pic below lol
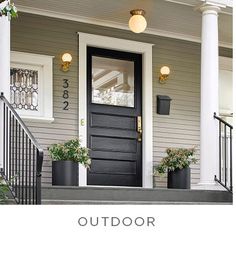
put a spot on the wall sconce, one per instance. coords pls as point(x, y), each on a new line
point(165, 71)
point(66, 61)
point(137, 22)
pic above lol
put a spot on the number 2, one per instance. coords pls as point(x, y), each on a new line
point(66, 105)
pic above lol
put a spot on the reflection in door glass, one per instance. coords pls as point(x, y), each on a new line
point(112, 82)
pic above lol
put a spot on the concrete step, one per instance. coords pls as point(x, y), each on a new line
point(96, 202)
point(120, 195)
point(9, 202)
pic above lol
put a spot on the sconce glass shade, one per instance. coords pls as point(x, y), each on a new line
point(66, 57)
point(137, 22)
point(164, 74)
point(66, 61)
point(165, 70)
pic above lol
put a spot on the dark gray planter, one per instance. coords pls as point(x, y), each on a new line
point(179, 179)
point(64, 173)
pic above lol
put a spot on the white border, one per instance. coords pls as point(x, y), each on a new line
point(124, 45)
point(44, 63)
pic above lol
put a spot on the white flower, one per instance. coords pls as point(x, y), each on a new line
point(3, 5)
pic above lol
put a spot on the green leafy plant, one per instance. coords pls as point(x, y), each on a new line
point(8, 9)
point(3, 191)
point(70, 151)
point(176, 159)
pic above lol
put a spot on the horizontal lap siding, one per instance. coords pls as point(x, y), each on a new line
point(49, 36)
point(182, 127)
point(41, 35)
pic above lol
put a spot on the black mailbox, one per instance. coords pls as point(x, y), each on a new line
point(163, 105)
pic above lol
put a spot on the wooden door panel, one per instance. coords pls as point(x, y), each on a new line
point(113, 155)
point(111, 180)
point(110, 132)
point(113, 166)
point(113, 121)
point(113, 144)
point(112, 110)
point(114, 103)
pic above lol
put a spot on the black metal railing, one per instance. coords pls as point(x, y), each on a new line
point(225, 177)
point(22, 157)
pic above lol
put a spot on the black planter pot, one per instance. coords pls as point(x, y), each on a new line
point(64, 173)
point(179, 179)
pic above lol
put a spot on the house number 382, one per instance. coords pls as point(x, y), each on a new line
point(65, 94)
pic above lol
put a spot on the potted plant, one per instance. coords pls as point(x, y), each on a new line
point(8, 9)
point(66, 157)
point(176, 165)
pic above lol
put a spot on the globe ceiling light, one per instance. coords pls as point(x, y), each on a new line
point(137, 22)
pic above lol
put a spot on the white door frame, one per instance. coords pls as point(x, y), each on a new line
point(122, 45)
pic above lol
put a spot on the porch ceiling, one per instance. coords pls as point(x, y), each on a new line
point(165, 17)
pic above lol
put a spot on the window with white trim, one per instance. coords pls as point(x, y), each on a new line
point(226, 88)
point(31, 91)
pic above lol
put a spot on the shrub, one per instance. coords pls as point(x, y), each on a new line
point(3, 191)
point(176, 159)
point(70, 151)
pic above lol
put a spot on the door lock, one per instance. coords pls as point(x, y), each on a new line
point(139, 128)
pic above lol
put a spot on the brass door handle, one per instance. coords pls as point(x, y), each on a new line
point(139, 128)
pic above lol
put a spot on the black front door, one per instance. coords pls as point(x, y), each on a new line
point(114, 106)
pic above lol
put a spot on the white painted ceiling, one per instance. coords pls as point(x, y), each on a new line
point(164, 17)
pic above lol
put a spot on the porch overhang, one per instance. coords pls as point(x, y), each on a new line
point(166, 21)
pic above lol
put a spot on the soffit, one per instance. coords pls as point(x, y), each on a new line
point(164, 17)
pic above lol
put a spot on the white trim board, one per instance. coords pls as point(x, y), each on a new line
point(100, 22)
point(123, 45)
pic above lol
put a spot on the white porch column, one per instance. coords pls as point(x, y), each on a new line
point(209, 161)
point(4, 69)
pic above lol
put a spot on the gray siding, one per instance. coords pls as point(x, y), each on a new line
point(181, 127)
point(44, 35)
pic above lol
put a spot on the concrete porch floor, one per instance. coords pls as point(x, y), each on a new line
point(59, 195)
point(215, 186)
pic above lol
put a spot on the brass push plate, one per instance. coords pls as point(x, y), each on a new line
point(139, 128)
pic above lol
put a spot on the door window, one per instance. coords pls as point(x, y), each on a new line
point(112, 82)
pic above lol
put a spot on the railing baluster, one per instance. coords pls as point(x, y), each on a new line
point(4, 138)
point(231, 161)
point(225, 155)
point(19, 166)
point(16, 160)
point(220, 140)
point(7, 143)
point(30, 171)
point(22, 168)
point(34, 175)
point(38, 180)
point(26, 169)
point(10, 149)
point(22, 175)
point(13, 153)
